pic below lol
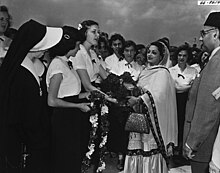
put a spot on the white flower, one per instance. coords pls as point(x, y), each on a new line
point(104, 140)
point(79, 26)
point(93, 119)
point(101, 168)
point(91, 150)
point(104, 110)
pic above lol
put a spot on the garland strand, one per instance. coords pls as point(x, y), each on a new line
point(99, 121)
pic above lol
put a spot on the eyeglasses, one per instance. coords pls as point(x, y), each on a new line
point(204, 32)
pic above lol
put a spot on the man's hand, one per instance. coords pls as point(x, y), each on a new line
point(188, 152)
point(213, 168)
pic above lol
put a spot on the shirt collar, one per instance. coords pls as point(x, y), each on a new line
point(214, 51)
point(2, 38)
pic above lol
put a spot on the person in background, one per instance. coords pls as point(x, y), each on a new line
point(149, 152)
point(140, 57)
point(203, 59)
point(183, 76)
point(64, 96)
point(128, 64)
point(118, 137)
point(5, 23)
point(103, 48)
point(116, 44)
point(141, 49)
point(202, 109)
point(25, 124)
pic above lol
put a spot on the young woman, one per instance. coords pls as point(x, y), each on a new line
point(116, 43)
point(86, 62)
point(24, 125)
point(149, 152)
point(118, 137)
point(5, 22)
point(183, 76)
point(89, 69)
point(64, 96)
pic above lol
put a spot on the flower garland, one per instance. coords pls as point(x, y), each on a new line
point(99, 113)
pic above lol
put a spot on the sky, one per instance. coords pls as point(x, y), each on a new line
point(142, 21)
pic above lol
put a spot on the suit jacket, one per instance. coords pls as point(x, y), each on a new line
point(203, 111)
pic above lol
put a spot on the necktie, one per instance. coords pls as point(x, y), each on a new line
point(129, 65)
point(179, 75)
point(93, 61)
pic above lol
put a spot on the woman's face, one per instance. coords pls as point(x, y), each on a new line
point(182, 57)
point(140, 59)
point(153, 55)
point(92, 34)
point(129, 53)
point(4, 21)
point(117, 46)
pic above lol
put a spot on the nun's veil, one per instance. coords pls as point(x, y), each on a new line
point(28, 35)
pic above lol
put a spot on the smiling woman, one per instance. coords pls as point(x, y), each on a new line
point(5, 22)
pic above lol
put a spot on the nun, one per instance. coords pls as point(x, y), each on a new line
point(24, 120)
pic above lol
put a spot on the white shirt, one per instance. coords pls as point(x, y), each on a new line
point(4, 44)
point(112, 63)
point(183, 78)
point(82, 60)
point(71, 84)
point(133, 68)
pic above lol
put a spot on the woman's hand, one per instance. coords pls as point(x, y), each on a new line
point(110, 99)
point(87, 95)
point(84, 107)
point(170, 151)
point(132, 100)
point(84, 95)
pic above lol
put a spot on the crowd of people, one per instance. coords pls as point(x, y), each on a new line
point(47, 75)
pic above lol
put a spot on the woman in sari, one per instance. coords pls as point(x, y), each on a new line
point(148, 153)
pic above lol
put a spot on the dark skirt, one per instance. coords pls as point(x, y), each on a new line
point(67, 138)
point(118, 137)
point(181, 99)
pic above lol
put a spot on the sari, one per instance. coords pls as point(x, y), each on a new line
point(147, 152)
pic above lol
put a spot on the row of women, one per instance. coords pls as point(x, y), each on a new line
point(54, 138)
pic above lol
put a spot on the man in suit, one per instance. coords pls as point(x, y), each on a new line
point(203, 105)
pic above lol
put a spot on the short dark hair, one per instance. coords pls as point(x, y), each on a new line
point(140, 46)
point(84, 26)
point(185, 47)
point(68, 41)
point(129, 43)
point(115, 37)
point(3, 8)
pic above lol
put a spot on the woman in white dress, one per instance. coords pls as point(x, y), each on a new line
point(148, 153)
point(89, 69)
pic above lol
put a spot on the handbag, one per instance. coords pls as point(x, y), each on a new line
point(137, 122)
